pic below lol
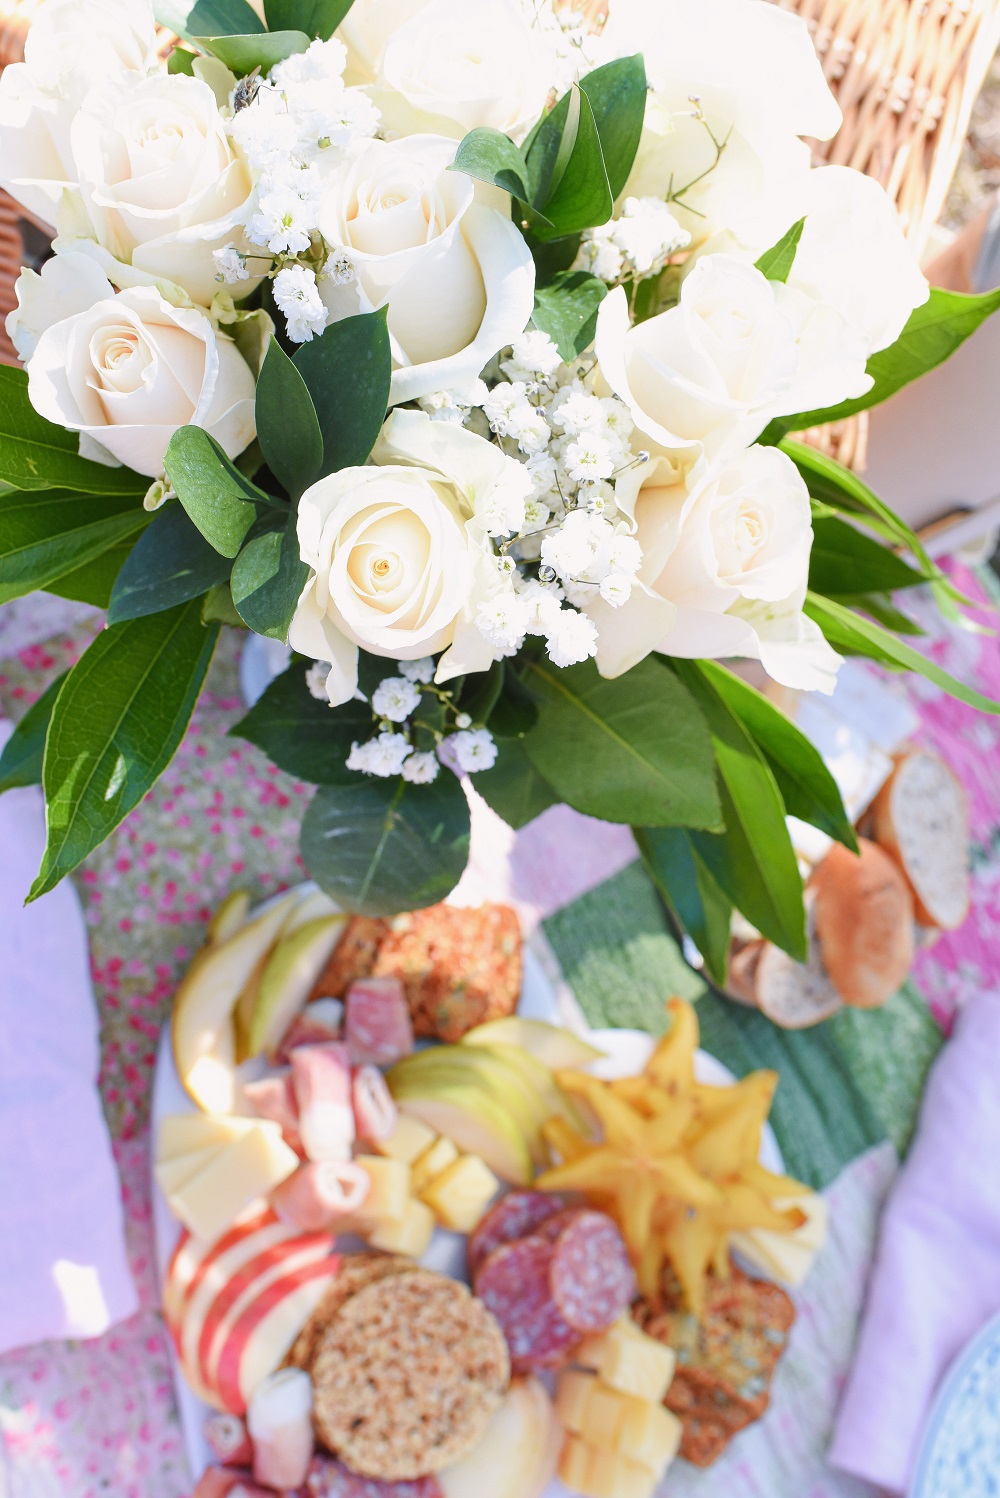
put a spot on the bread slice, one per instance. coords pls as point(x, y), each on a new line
point(864, 923)
point(921, 818)
point(792, 994)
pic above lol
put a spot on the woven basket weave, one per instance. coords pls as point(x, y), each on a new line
point(906, 74)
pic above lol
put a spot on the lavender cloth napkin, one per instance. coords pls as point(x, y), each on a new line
point(936, 1279)
point(63, 1267)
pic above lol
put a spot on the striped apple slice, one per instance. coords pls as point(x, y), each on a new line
point(193, 1256)
point(261, 1338)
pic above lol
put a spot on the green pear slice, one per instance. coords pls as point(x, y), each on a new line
point(312, 905)
point(230, 916)
point(539, 1078)
point(202, 1021)
point(553, 1046)
point(480, 1068)
point(473, 1120)
point(288, 978)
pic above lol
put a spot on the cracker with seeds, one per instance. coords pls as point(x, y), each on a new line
point(355, 1272)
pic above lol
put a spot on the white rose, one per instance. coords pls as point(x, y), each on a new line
point(129, 369)
point(71, 48)
point(725, 563)
point(399, 557)
point(365, 30)
point(852, 254)
point(460, 64)
point(753, 70)
point(162, 183)
point(457, 276)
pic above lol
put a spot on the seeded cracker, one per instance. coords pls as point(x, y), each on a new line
point(356, 1271)
point(407, 1376)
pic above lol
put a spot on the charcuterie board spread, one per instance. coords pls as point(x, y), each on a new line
point(423, 1244)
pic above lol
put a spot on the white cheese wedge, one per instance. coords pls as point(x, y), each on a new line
point(246, 1168)
point(787, 1257)
point(171, 1174)
point(183, 1133)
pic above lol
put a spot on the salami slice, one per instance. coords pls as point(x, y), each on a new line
point(515, 1215)
point(328, 1479)
point(513, 1283)
point(591, 1276)
point(553, 1227)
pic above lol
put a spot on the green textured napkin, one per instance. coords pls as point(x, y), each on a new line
point(846, 1085)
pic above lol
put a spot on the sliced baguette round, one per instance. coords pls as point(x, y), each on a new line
point(921, 818)
point(792, 994)
point(864, 923)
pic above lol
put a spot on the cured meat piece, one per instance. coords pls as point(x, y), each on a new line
point(328, 1479)
point(553, 1227)
point(321, 1076)
point(375, 1111)
point(319, 1192)
point(514, 1216)
point(320, 1021)
point(279, 1419)
point(377, 1025)
point(513, 1283)
point(217, 1482)
point(227, 1436)
point(273, 1098)
point(591, 1276)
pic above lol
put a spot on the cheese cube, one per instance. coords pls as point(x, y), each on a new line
point(572, 1393)
point(389, 1193)
point(245, 1169)
point(431, 1163)
point(603, 1474)
point(172, 1173)
point(460, 1195)
point(410, 1235)
point(183, 1133)
point(408, 1139)
point(649, 1434)
point(629, 1361)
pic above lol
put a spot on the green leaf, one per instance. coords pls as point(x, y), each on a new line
point(47, 533)
point(513, 787)
point(21, 760)
point(807, 788)
point(688, 888)
point(580, 197)
point(217, 607)
point(287, 424)
point(379, 847)
point(303, 736)
point(752, 861)
point(94, 581)
point(268, 579)
point(35, 454)
point(777, 262)
point(318, 17)
point(843, 560)
point(566, 308)
point(882, 609)
point(208, 17)
point(169, 564)
point(347, 371)
point(849, 631)
point(933, 332)
point(181, 61)
point(492, 157)
point(116, 725)
point(242, 54)
point(635, 749)
point(481, 692)
point(515, 711)
point(223, 504)
point(617, 94)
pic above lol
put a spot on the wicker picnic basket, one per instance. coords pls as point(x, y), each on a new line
point(906, 74)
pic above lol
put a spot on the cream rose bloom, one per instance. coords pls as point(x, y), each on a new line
point(399, 552)
point(734, 352)
point(459, 64)
point(365, 31)
point(126, 370)
point(759, 85)
point(457, 276)
point(71, 48)
point(725, 563)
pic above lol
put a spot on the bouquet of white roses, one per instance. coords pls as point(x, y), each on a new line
point(457, 344)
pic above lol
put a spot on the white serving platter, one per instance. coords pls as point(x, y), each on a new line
point(626, 1051)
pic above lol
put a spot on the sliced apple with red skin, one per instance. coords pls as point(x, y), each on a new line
point(191, 1258)
point(260, 1340)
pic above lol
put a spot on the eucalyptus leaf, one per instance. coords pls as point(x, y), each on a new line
point(752, 861)
point(169, 564)
point(45, 534)
point(267, 581)
point(807, 788)
point(208, 17)
point(302, 735)
point(685, 883)
point(566, 309)
point(379, 847)
point(257, 50)
point(116, 724)
point(36, 454)
point(287, 424)
point(221, 501)
point(581, 196)
point(21, 760)
point(181, 61)
point(217, 607)
point(843, 560)
point(635, 749)
point(776, 263)
point(347, 370)
point(513, 787)
point(492, 157)
point(851, 632)
point(320, 18)
point(617, 94)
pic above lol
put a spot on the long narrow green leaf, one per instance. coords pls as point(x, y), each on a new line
point(681, 876)
point(287, 425)
point(35, 454)
point(21, 760)
point(47, 533)
point(347, 371)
